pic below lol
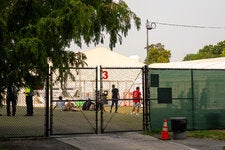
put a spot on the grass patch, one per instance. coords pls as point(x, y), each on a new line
point(210, 134)
point(67, 122)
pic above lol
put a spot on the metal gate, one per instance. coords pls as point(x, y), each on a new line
point(125, 80)
point(67, 100)
point(93, 86)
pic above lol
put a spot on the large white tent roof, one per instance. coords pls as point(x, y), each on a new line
point(212, 63)
point(107, 58)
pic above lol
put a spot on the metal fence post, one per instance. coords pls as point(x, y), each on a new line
point(193, 105)
point(146, 98)
point(96, 102)
point(47, 105)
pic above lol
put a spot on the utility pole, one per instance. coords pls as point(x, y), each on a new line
point(146, 108)
point(149, 26)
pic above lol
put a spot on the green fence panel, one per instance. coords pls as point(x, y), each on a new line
point(197, 95)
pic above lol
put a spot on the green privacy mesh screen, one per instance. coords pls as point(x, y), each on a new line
point(198, 95)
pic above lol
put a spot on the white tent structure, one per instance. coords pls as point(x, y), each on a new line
point(212, 63)
point(85, 80)
point(111, 62)
point(107, 58)
point(123, 79)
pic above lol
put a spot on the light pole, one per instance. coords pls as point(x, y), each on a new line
point(146, 109)
point(149, 26)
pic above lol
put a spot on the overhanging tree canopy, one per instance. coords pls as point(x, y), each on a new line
point(36, 32)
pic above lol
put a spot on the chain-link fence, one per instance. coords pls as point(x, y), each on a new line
point(63, 108)
point(94, 85)
point(68, 100)
point(21, 125)
point(197, 95)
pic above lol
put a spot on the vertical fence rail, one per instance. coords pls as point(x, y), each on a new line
point(146, 98)
point(99, 101)
point(51, 106)
point(144, 119)
point(47, 104)
point(192, 99)
point(96, 101)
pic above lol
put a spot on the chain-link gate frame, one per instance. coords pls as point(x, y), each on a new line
point(74, 120)
point(99, 126)
point(146, 126)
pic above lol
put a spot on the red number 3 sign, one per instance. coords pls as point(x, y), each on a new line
point(105, 74)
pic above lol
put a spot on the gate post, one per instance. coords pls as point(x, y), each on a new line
point(47, 104)
point(100, 101)
point(146, 98)
point(51, 107)
point(96, 102)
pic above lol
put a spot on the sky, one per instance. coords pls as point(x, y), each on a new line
point(179, 40)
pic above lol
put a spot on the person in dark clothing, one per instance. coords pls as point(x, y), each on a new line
point(87, 104)
point(115, 97)
point(11, 98)
point(29, 100)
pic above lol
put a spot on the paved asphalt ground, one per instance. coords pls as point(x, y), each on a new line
point(137, 141)
point(114, 141)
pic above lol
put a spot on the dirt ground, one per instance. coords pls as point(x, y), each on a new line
point(35, 144)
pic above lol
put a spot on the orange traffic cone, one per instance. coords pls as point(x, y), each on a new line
point(165, 134)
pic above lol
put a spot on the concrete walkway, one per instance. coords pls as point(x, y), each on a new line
point(122, 141)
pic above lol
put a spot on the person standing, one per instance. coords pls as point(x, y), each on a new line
point(29, 100)
point(12, 91)
point(115, 97)
point(136, 101)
